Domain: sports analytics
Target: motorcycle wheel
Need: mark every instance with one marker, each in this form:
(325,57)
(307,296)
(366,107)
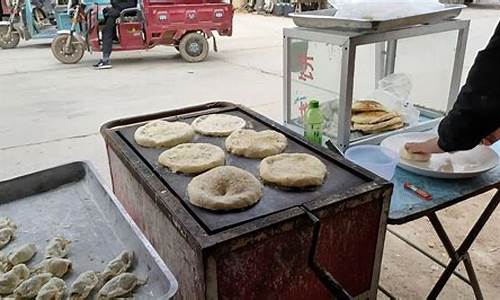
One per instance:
(193,47)
(72,56)
(8,41)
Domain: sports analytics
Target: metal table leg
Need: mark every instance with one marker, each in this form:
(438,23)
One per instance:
(461,253)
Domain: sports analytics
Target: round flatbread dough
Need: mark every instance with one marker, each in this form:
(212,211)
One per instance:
(296,170)
(224,188)
(192,158)
(256,144)
(217,124)
(421,157)
(159,133)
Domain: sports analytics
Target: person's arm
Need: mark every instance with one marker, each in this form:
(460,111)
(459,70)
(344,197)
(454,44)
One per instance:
(476,113)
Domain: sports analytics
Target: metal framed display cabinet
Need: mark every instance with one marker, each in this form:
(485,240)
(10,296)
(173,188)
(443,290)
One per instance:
(298,67)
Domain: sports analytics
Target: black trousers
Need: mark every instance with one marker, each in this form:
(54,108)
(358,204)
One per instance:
(110,16)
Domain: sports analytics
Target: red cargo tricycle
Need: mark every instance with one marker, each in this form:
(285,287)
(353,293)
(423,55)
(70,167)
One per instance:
(185,24)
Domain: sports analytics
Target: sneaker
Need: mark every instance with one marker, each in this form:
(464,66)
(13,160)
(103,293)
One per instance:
(102,65)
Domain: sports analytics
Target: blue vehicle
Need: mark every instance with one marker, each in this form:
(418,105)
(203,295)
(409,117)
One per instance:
(33,19)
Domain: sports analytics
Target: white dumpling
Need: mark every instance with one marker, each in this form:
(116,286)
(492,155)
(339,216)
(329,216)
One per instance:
(30,287)
(56,266)
(7,223)
(57,247)
(52,290)
(6,235)
(10,280)
(22,254)
(116,267)
(119,286)
(5,265)
(83,285)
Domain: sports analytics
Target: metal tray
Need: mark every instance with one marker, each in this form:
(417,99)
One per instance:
(339,180)
(70,200)
(325,18)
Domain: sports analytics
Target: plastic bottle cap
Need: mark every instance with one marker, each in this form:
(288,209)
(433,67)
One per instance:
(313,104)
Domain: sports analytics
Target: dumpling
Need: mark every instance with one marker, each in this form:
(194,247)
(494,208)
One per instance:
(52,290)
(116,267)
(6,235)
(83,285)
(22,254)
(119,286)
(5,265)
(58,267)
(10,280)
(57,247)
(7,223)
(30,287)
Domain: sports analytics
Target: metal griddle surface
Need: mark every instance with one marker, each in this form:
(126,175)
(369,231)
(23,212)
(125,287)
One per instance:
(274,199)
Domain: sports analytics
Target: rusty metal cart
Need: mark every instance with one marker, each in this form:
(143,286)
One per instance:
(314,244)
(299,73)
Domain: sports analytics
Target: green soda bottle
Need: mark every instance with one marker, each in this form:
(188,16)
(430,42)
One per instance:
(313,123)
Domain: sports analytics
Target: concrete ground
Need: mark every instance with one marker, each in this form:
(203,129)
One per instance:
(50,114)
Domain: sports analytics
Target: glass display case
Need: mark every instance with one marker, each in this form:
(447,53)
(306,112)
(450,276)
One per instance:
(335,67)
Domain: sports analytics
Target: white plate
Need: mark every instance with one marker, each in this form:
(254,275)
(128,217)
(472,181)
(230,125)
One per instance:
(462,164)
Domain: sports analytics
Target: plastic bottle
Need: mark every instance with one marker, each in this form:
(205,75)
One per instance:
(313,123)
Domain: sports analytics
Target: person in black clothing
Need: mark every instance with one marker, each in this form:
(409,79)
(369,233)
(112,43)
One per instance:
(108,33)
(475,117)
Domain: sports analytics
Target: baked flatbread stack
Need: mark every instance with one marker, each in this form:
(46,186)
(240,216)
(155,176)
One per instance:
(372,117)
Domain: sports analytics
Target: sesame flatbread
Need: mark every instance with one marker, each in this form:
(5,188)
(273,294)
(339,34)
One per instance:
(388,128)
(224,188)
(378,126)
(294,170)
(367,105)
(217,124)
(373,117)
(256,144)
(192,158)
(157,134)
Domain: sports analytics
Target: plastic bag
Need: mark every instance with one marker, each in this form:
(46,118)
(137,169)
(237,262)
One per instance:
(383,9)
(393,92)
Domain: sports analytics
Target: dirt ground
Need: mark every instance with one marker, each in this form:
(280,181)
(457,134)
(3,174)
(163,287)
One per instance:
(408,274)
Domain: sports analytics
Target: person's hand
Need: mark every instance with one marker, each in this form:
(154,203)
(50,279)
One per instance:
(492,138)
(430,146)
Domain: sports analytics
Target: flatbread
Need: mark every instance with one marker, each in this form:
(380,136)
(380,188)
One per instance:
(388,128)
(296,170)
(367,105)
(373,117)
(378,126)
(421,157)
(217,124)
(160,133)
(192,158)
(224,188)
(256,144)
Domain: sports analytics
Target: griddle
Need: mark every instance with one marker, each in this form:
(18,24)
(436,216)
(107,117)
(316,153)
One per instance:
(339,180)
